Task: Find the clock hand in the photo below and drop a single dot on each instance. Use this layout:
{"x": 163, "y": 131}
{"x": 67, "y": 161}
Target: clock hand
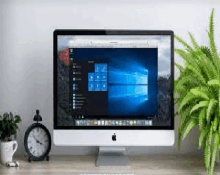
{"x": 36, "y": 139}
{"x": 39, "y": 142}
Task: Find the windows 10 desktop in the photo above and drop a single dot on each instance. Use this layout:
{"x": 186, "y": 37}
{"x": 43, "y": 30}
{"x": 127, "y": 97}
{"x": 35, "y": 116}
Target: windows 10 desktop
{"x": 114, "y": 86}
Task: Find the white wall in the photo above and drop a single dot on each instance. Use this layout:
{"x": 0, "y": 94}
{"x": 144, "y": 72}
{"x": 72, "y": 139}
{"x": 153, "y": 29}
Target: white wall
{"x": 26, "y": 50}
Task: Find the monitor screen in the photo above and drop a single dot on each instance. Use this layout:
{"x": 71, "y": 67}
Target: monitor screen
{"x": 113, "y": 81}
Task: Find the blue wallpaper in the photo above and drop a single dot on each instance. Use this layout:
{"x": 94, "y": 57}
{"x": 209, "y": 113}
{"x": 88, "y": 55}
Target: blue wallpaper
{"x": 129, "y": 76}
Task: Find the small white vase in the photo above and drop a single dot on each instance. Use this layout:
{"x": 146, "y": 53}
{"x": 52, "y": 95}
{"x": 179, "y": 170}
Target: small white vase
{"x": 7, "y": 151}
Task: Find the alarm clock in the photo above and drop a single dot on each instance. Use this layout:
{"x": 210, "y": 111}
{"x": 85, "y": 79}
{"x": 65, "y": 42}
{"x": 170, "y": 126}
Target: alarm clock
{"x": 37, "y": 140}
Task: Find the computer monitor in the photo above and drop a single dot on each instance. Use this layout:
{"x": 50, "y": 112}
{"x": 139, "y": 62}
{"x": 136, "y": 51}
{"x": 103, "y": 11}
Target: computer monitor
{"x": 113, "y": 88}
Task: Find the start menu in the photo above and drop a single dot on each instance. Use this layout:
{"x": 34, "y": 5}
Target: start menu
{"x": 88, "y": 87}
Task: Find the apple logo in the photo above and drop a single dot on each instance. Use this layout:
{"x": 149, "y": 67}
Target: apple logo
{"x": 114, "y": 137}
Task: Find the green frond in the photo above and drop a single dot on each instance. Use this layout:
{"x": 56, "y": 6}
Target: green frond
{"x": 219, "y": 136}
{"x": 211, "y": 33}
{"x": 213, "y": 92}
{"x": 192, "y": 123}
{"x": 200, "y": 105}
{"x": 202, "y": 136}
{"x": 184, "y": 84}
{"x": 186, "y": 56}
{"x": 213, "y": 47}
{"x": 180, "y": 90}
{"x": 188, "y": 73}
{"x": 184, "y": 119}
{"x": 219, "y": 103}
{"x": 214, "y": 150}
{"x": 189, "y": 97}
{"x": 180, "y": 68}
{"x": 215, "y": 123}
{"x": 209, "y": 65}
{"x": 211, "y": 28}
{"x": 180, "y": 40}
{"x": 206, "y": 154}
{"x": 211, "y": 106}
{"x": 199, "y": 93}
{"x": 202, "y": 116}
{"x": 196, "y": 46}
{"x": 197, "y": 72}
{"x": 183, "y": 80}
{"x": 208, "y": 69}
{"x": 207, "y": 150}
{"x": 204, "y": 89}
{"x": 206, "y": 51}
{"x": 214, "y": 82}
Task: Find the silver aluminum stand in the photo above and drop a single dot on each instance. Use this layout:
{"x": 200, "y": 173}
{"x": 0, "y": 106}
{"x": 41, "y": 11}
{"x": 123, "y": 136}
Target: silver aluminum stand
{"x": 112, "y": 156}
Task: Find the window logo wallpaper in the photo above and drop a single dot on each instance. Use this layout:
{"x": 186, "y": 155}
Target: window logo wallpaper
{"x": 114, "y": 81}
{"x": 129, "y": 77}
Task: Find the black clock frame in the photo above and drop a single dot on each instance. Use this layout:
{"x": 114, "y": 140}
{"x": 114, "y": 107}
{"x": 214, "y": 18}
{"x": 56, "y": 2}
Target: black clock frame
{"x": 32, "y": 157}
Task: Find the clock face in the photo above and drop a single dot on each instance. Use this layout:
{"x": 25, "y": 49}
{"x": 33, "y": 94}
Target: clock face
{"x": 38, "y": 142}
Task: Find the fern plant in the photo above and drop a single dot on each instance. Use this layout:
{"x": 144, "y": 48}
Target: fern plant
{"x": 197, "y": 94}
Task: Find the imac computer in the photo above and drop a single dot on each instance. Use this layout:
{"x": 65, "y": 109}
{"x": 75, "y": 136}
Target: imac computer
{"x": 112, "y": 89}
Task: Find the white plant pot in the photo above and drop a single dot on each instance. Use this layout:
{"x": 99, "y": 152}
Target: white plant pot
{"x": 7, "y": 151}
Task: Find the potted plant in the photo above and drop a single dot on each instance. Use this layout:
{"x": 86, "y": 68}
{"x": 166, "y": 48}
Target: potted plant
{"x": 197, "y": 94}
{"x": 8, "y": 130}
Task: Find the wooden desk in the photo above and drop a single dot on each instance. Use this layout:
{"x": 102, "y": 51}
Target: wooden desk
{"x": 140, "y": 165}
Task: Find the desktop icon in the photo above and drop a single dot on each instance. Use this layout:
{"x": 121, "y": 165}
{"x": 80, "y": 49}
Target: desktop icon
{"x": 95, "y": 122}
{"x": 124, "y": 122}
{"x": 128, "y": 122}
{"x": 77, "y": 122}
{"x": 146, "y": 122}
{"x": 80, "y": 123}
{"x": 139, "y": 122}
{"x": 120, "y": 122}
{"x": 103, "y": 122}
{"x": 113, "y": 122}
{"x": 88, "y": 122}
{"x": 135, "y": 122}
{"x": 91, "y": 122}
{"x": 106, "y": 122}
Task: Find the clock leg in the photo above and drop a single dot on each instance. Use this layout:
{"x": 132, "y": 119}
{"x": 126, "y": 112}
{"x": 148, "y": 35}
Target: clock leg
{"x": 47, "y": 158}
{"x": 29, "y": 159}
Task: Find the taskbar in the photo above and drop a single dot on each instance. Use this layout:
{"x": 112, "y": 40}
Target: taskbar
{"x": 87, "y": 122}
